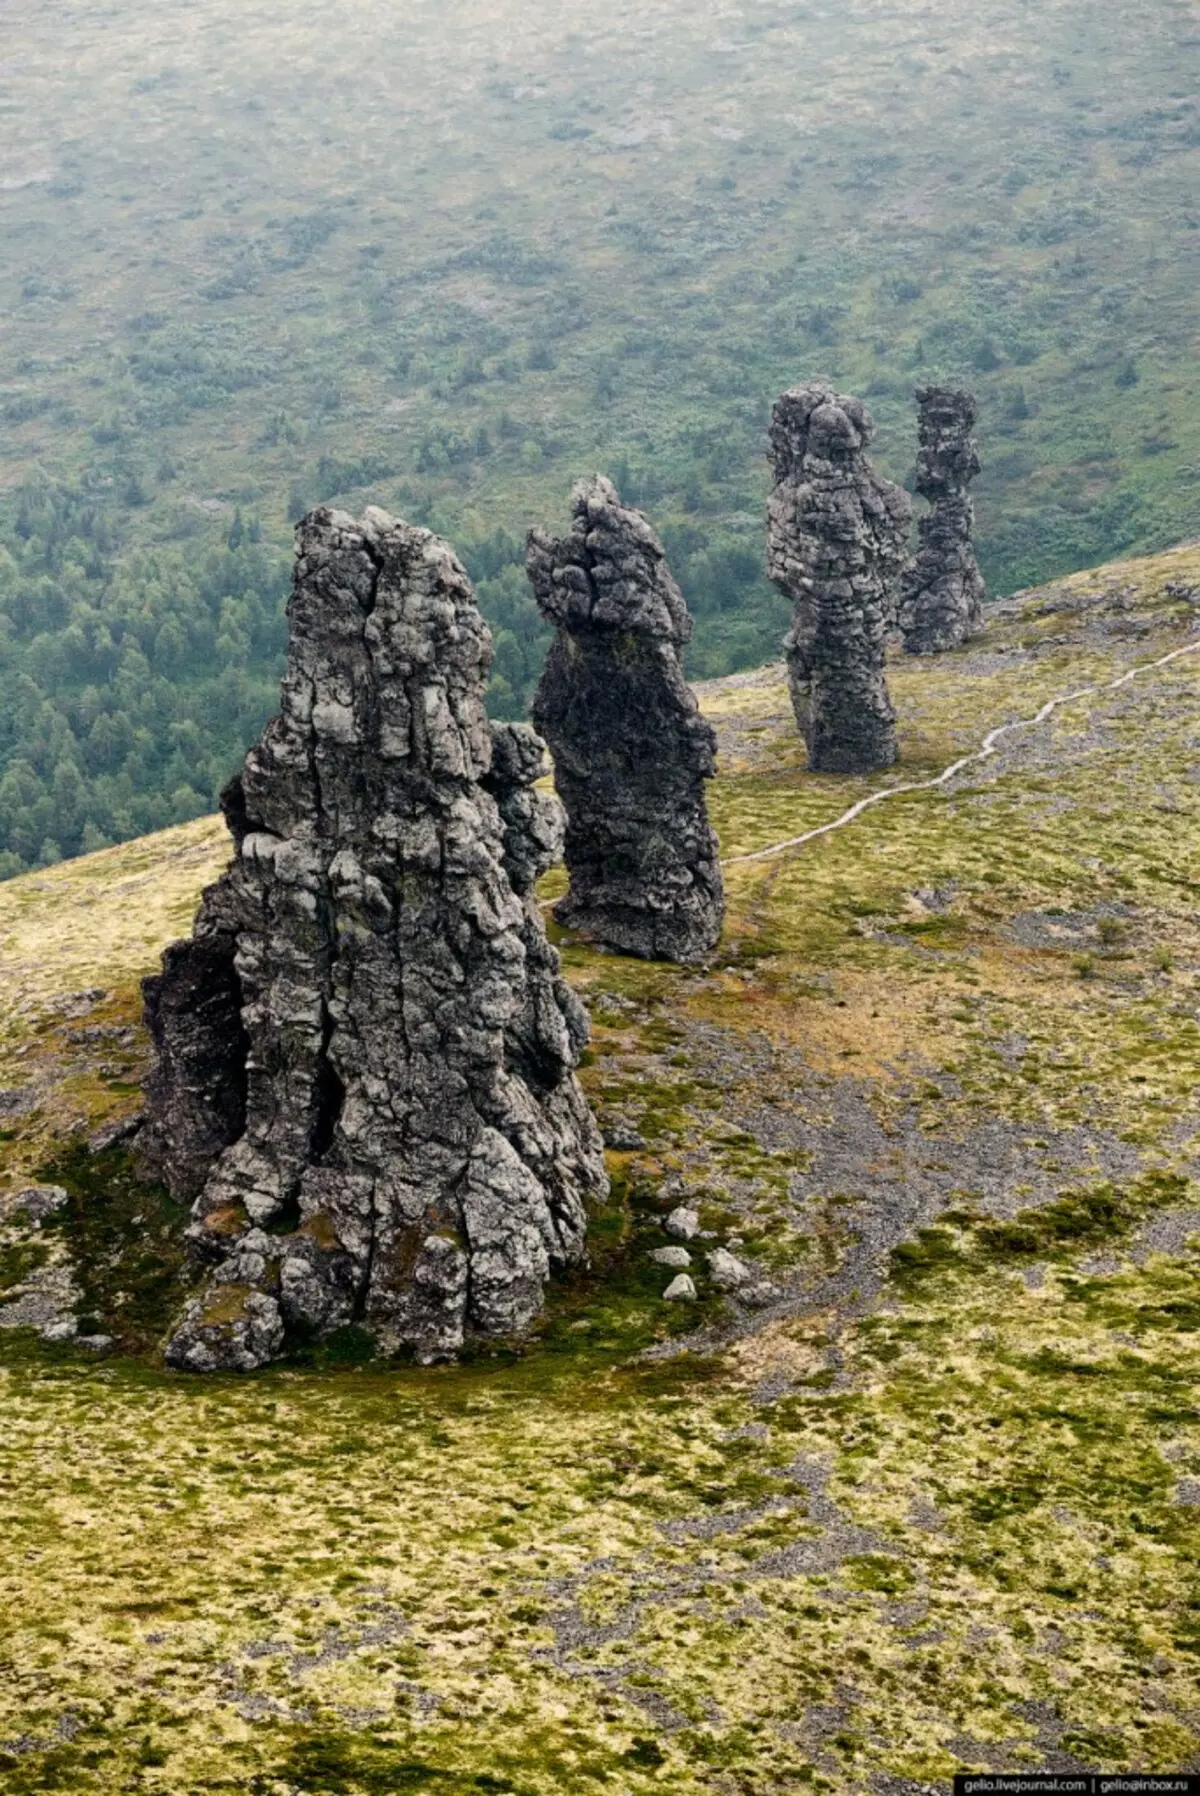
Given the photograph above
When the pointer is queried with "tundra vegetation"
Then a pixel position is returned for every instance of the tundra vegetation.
(932, 1508)
(447, 259)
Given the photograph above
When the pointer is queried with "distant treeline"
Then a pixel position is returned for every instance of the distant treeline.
(133, 679)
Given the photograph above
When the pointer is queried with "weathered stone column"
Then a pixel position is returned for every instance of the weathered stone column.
(365, 1054)
(836, 540)
(631, 751)
(942, 593)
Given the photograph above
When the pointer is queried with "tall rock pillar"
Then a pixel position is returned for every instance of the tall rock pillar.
(836, 542)
(365, 1055)
(942, 593)
(631, 751)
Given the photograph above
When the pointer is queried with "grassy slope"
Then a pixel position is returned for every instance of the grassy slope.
(926, 1516)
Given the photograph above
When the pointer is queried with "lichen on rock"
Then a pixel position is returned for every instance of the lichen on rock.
(942, 593)
(631, 751)
(365, 1055)
(836, 541)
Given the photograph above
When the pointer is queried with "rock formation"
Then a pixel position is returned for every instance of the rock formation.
(365, 1053)
(942, 592)
(631, 751)
(836, 541)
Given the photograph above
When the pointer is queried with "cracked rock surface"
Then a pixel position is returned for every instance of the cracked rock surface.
(631, 751)
(836, 535)
(365, 1054)
(942, 593)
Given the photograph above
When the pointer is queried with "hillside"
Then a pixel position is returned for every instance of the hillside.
(930, 1507)
(450, 260)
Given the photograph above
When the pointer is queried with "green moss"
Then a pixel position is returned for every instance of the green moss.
(335, 1763)
(125, 1239)
(1103, 1216)
(18, 1260)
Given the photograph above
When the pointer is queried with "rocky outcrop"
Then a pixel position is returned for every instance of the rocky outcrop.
(631, 751)
(836, 541)
(942, 594)
(365, 1053)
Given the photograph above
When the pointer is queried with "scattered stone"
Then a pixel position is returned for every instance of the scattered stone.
(95, 1343)
(677, 1257)
(77, 1004)
(37, 1202)
(623, 1140)
(65, 1330)
(115, 1134)
(631, 751)
(759, 1294)
(364, 1055)
(942, 592)
(728, 1273)
(680, 1290)
(683, 1223)
(836, 540)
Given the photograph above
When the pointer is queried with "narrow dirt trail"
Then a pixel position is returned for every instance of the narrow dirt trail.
(988, 748)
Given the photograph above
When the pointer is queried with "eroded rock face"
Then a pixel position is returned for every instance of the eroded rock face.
(631, 751)
(836, 542)
(365, 1054)
(943, 590)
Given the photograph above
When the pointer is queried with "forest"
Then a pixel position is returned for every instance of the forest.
(450, 261)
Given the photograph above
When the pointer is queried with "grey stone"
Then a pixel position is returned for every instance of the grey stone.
(759, 1294)
(364, 1055)
(623, 1140)
(942, 593)
(836, 541)
(37, 1202)
(727, 1272)
(680, 1290)
(238, 1335)
(115, 1134)
(631, 751)
(677, 1257)
(683, 1223)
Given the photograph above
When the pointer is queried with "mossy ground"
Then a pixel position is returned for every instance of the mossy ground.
(932, 1510)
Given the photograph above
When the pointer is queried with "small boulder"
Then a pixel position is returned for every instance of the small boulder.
(728, 1273)
(683, 1223)
(680, 1290)
(621, 1139)
(38, 1201)
(678, 1257)
(759, 1294)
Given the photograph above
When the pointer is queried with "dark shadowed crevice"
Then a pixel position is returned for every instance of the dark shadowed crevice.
(331, 1095)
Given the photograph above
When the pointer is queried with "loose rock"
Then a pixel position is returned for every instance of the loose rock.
(680, 1290)
(365, 1054)
(941, 598)
(683, 1223)
(728, 1273)
(623, 1140)
(836, 540)
(631, 751)
(36, 1202)
(677, 1257)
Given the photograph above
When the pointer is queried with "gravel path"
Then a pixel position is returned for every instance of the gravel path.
(988, 748)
